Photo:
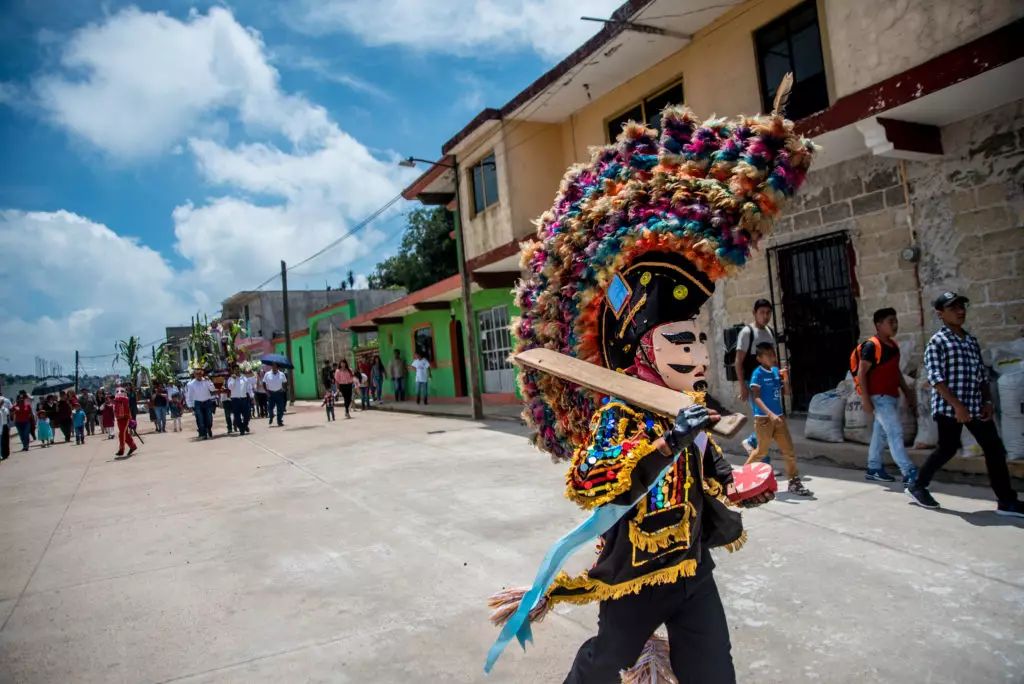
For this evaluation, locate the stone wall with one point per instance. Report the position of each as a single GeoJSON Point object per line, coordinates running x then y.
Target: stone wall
{"type": "Point", "coordinates": [969, 218]}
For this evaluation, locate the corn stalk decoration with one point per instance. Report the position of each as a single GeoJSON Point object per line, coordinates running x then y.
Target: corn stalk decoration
{"type": "Point", "coordinates": [201, 345]}
{"type": "Point", "coordinates": [231, 333]}
{"type": "Point", "coordinates": [128, 353]}
{"type": "Point", "coordinates": [161, 371]}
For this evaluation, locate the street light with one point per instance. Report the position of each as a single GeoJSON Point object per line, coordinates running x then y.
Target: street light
{"type": "Point", "coordinates": [475, 397]}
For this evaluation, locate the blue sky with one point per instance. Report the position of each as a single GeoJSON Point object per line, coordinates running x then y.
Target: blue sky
{"type": "Point", "coordinates": [162, 155]}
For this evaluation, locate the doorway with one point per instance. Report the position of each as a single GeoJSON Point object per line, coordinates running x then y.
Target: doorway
{"type": "Point", "coordinates": [458, 358]}
{"type": "Point", "coordinates": [818, 289]}
{"type": "Point", "coordinates": [496, 350]}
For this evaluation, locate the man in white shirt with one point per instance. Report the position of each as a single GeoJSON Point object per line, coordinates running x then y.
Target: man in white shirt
{"type": "Point", "coordinates": [422, 367]}
{"type": "Point", "coordinates": [238, 399]}
{"type": "Point", "coordinates": [199, 397]}
{"type": "Point", "coordinates": [275, 382]}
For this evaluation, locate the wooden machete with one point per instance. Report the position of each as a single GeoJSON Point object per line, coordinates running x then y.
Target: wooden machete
{"type": "Point", "coordinates": [660, 400]}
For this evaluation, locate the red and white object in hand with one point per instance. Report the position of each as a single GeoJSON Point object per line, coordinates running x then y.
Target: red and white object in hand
{"type": "Point", "coordinates": [751, 480]}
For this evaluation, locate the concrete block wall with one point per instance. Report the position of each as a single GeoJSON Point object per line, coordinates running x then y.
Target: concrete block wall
{"type": "Point", "coordinates": [969, 218]}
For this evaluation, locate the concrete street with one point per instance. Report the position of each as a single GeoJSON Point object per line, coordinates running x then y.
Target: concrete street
{"type": "Point", "coordinates": [364, 551]}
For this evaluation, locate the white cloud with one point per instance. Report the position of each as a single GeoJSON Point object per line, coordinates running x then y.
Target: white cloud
{"type": "Point", "coordinates": [102, 286]}
{"type": "Point", "coordinates": [138, 82]}
{"type": "Point", "coordinates": [326, 70]}
{"type": "Point", "coordinates": [551, 28]}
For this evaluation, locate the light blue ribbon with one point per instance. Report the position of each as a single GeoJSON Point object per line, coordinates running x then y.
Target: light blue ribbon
{"type": "Point", "coordinates": [600, 521]}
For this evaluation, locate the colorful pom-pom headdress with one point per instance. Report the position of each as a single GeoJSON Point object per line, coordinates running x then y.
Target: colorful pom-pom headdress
{"type": "Point", "coordinates": [637, 238]}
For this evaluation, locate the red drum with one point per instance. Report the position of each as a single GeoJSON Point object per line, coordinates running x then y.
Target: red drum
{"type": "Point", "coordinates": [752, 479]}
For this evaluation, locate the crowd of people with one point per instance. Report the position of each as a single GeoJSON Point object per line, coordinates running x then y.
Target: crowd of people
{"type": "Point", "coordinates": [340, 380]}
{"type": "Point", "coordinates": [75, 415]}
{"type": "Point", "coordinates": [961, 398]}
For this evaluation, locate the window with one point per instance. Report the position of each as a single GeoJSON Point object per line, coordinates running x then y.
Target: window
{"type": "Point", "coordinates": [485, 183]}
{"type": "Point", "coordinates": [302, 363]}
{"type": "Point", "coordinates": [793, 43]}
{"type": "Point", "coordinates": [648, 110]}
{"type": "Point", "coordinates": [423, 342]}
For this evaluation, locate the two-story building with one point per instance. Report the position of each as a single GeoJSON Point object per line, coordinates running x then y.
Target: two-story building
{"type": "Point", "coordinates": [919, 187]}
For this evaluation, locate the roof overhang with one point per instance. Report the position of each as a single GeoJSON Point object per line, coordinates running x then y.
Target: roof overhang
{"type": "Point", "coordinates": [238, 298]}
{"type": "Point", "coordinates": [429, 298]}
{"type": "Point", "coordinates": [640, 34]}
{"type": "Point", "coordinates": [436, 186]}
{"type": "Point", "coordinates": [892, 118]}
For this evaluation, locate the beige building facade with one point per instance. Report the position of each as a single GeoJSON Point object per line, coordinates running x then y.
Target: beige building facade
{"type": "Point", "coordinates": [919, 187]}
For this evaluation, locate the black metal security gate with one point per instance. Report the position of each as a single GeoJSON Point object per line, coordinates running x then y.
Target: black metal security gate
{"type": "Point", "coordinates": [819, 311]}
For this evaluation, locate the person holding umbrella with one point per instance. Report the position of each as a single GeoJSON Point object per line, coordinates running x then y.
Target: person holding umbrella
{"type": "Point", "coordinates": [275, 381]}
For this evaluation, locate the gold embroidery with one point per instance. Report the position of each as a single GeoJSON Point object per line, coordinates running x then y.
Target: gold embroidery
{"type": "Point", "coordinates": [632, 314]}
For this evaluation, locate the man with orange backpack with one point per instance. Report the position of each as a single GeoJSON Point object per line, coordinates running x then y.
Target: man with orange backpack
{"type": "Point", "coordinates": [876, 365]}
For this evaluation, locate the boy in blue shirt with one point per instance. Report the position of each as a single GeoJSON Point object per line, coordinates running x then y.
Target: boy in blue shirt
{"type": "Point", "coordinates": [766, 387]}
{"type": "Point", "coordinates": [79, 419]}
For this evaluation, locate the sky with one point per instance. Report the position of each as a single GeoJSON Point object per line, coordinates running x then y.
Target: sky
{"type": "Point", "coordinates": [160, 156]}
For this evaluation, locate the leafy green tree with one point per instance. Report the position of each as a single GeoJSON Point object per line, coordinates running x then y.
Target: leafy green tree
{"type": "Point", "coordinates": [427, 254]}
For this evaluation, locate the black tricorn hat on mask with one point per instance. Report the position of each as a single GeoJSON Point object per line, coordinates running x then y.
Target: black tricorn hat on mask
{"type": "Point", "coordinates": [657, 288]}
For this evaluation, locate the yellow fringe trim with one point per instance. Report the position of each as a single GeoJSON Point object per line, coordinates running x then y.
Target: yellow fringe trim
{"type": "Point", "coordinates": [599, 591]}
{"type": "Point", "coordinates": [733, 547]}
{"type": "Point", "coordinates": [652, 542]}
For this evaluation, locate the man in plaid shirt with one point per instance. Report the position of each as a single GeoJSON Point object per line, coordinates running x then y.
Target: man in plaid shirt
{"type": "Point", "coordinates": [961, 396]}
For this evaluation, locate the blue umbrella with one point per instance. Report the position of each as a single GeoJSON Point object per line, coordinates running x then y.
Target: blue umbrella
{"type": "Point", "coordinates": [280, 359]}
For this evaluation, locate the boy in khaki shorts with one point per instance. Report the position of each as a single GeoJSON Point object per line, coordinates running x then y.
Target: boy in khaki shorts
{"type": "Point", "coordinates": [766, 387]}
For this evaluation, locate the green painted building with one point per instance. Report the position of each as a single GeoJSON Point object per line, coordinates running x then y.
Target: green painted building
{"type": "Point", "coordinates": [324, 339]}
{"type": "Point", "coordinates": [431, 322]}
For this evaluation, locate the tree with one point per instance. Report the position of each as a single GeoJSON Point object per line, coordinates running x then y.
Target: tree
{"type": "Point", "coordinates": [351, 280]}
{"type": "Point", "coordinates": [427, 254]}
{"type": "Point", "coordinates": [128, 353]}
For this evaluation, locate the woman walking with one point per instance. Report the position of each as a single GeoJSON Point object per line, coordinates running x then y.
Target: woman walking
{"type": "Point", "coordinates": [344, 379]}
{"type": "Point", "coordinates": [160, 408]}
{"type": "Point", "coordinates": [23, 415]}
{"type": "Point", "coordinates": [64, 416]}
{"type": "Point", "coordinates": [377, 377]}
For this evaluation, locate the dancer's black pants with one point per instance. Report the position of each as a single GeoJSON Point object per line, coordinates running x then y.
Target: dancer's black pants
{"type": "Point", "coordinates": [698, 634]}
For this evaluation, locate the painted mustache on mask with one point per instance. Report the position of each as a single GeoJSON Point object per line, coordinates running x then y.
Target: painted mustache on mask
{"type": "Point", "coordinates": [680, 368]}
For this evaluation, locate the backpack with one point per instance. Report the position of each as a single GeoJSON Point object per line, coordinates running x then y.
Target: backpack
{"type": "Point", "coordinates": [855, 359]}
{"type": "Point", "coordinates": [731, 337]}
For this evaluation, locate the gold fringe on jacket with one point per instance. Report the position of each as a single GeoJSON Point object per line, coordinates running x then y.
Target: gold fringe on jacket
{"type": "Point", "coordinates": [599, 591]}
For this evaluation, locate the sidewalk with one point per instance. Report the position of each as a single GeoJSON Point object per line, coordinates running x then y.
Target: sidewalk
{"type": "Point", "coordinates": [841, 454]}
{"type": "Point", "coordinates": [509, 412]}
{"type": "Point", "coordinates": [854, 455]}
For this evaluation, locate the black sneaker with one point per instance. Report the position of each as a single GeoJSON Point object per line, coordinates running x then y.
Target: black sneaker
{"type": "Point", "coordinates": [797, 487]}
{"type": "Point", "coordinates": [1014, 509]}
{"type": "Point", "coordinates": [921, 497]}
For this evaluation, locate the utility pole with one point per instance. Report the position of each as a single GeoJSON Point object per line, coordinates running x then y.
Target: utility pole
{"type": "Point", "coordinates": [76, 371]}
{"type": "Point", "coordinates": [475, 396]}
{"type": "Point", "coordinates": [287, 332]}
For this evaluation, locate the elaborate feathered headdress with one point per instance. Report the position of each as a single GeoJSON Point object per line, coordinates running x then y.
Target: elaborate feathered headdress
{"type": "Point", "coordinates": [638, 237]}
